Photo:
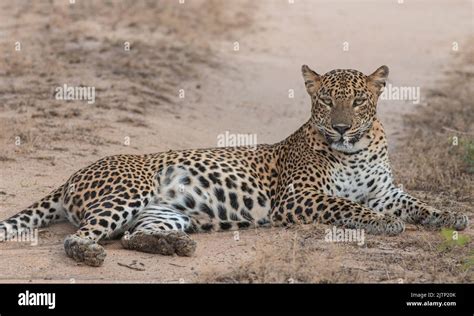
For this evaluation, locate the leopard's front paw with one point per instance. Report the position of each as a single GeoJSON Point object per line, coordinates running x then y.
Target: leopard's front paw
{"type": "Point", "coordinates": [446, 219]}
{"type": "Point", "coordinates": [386, 225]}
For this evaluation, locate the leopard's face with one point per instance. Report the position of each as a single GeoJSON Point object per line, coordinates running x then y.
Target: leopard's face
{"type": "Point", "coordinates": [344, 103]}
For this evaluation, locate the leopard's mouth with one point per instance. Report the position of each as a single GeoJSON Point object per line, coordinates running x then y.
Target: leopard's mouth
{"type": "Point", "coordinates": [344, 143]}
{"type": "Point", "coordinates": [343, 140]}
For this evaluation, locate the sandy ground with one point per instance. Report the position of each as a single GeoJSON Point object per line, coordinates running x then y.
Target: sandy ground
{"type": "Point", "coordinates": [192, 47]}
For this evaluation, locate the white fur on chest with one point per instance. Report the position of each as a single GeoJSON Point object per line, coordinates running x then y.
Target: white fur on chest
{"type": "Point", "coordinates": [359, 180]}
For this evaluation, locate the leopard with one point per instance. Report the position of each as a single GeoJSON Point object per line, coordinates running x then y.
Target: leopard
{"type": "Point", "coordinates": [333, 170]}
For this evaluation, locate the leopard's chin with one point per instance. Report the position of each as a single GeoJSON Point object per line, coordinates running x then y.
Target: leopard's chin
{"type": "Point", "coordinates": [345, 144]}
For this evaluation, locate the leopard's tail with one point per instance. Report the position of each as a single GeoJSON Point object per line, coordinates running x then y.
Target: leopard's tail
{"type": "Point", "coordinates": [40, 214]}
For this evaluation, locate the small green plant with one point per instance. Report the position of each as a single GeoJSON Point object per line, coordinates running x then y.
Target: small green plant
{"type": "Point", "coordinates": [452, 239]}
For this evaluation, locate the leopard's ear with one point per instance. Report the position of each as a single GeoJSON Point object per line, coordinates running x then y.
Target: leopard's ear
{"type": "Point", "coordinates": [376, 81]}
{"type": "Point", "coordinates": [311, 79]}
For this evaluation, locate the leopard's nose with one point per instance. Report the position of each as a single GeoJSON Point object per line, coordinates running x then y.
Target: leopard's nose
{"type": "Point", "coordinates": [341, 128]}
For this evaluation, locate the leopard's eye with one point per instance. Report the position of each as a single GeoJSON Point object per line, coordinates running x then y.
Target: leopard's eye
{"type": "Point", "coordinates": [326, 101]}
{"type": "Point", "coordinates": [358, 102]}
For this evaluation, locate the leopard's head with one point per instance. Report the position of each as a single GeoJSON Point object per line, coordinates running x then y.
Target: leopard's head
{"type": "Point", "coordinates": [344, 103]}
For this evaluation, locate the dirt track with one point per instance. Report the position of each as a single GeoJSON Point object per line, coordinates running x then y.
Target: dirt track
{"type": "Point", "coordinates": [244, 91]}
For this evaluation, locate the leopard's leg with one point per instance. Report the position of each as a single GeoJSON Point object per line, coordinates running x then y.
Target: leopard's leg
{"type": "Point", "coordinates": [411, 210]}
{"type": "Point", "coordinates": [160, 229]}
{"type": "Point", "coordinates": [309, 205]}
{"type": "Point", "coordinates": [101, 220]}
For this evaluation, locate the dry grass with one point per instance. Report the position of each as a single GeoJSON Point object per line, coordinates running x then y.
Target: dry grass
{"type": "Point", "coordinates": [432, 168]}
{"type": "Point", "coordinates": [301, 255]}
{"type": "Point", "coordinates": [441, 138]}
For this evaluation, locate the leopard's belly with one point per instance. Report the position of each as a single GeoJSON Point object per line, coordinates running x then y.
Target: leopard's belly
{"type": "Point", "coordinates": [214, 200]}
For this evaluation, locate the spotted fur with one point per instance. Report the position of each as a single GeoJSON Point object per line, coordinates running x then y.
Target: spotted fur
{"type": "Point", "coordinates": [333, 170]}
